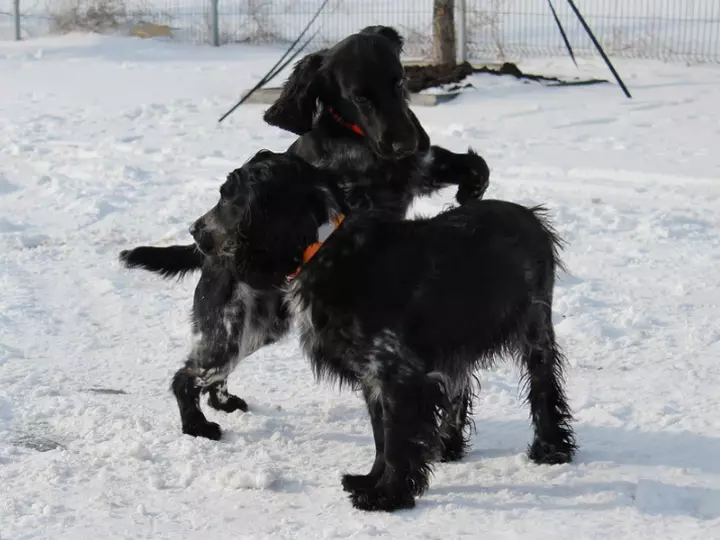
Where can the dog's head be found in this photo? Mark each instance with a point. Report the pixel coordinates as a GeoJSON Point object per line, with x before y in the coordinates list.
{"type": "Point", "coordinates": [269, 211]}
{"type": "Point", "coordinates": [362, 79]}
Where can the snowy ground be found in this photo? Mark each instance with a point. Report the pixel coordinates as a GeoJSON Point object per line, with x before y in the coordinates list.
{"type": "Point", "coordinates": [108, 143]}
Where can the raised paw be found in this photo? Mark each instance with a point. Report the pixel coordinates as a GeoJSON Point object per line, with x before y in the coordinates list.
{"type": "Point", "coordinates": [227, 403]}
{"type": "Point", "coordinates": [544, 453]}
{"type": "Point", "coordinates": [378, 499]}
{"type": "Point", "coordinates": [358, 482]}
{"type": "Point", "coordinates": [209, 430]}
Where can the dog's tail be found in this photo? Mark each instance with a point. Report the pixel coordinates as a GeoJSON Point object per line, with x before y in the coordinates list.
{"type": "Point", "coordinates": [168, 261]}
{"type": "Point", "coordinates": [556, 243]}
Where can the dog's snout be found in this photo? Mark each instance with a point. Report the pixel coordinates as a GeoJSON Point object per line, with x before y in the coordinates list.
{"type": "Point", "coordinates": [203, 239]}
{"type": "Point", "coordinates": [196, 229]}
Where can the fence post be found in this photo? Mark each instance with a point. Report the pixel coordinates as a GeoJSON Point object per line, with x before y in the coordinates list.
{"type": "Point", "coordinates": [461, 32]}
{"type": "Point", "coordinates": [16, 16]}
{"type": "Point", "coordinates": [215, 22]}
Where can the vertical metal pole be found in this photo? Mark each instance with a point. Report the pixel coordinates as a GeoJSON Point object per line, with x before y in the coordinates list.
{"type": "Point", "coordinates": [16, 15]}
{"type": "Point", "coordinates": [461, 32]}
{"type": "Point", "coordinates": [215, 22]}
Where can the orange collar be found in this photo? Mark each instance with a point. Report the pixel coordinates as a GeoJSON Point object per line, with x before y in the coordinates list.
{"type": "Point", "coordinates": [312, 249]}
{"type": "Point", "coordinates": [352, 127]}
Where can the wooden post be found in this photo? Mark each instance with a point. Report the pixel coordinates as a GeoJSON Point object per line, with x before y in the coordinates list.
{"type": "Point", "coordinates": [443, 46]}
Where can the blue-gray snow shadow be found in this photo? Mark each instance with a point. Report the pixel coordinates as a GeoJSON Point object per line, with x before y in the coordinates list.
{"type": "Point", "coordinates": [679, 449]}
{"type": "Point", "coordinates": [684, 450]}
{"type": "Point", "coordinates": [647, 496]}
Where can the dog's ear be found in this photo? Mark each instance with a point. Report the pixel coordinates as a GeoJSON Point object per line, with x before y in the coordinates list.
{"type": "Point", "coordinates": [278, 251]}
{"type": "Point", "coordinates": [295, 108]}
{"type": "Point", "coordinates": [387, 31]}
{"type": "Point", "coordinates": [423, 137]}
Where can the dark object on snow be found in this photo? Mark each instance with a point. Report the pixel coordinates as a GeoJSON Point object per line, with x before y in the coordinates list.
{"type": "Point", "coordinates": [423, 77]}
{"type": "Point", "coordinates": [420, 78]}
{"type": "Point", "coordinates": [509, 68]}
{"type": "Point", "coordinates": [404, 311]}
{"type": "Point", "coordinates": [36, 442]}
{"type": "Point", "coordinates": [109, 391]}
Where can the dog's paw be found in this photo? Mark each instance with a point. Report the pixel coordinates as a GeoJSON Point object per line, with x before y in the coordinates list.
{"type": "Point", "coordinates": [378, 499]}
{"type": "Point", "coordinates": [209, 430]}
{"type": "Point", "coordinates": [544, 453]}
{"type": "Point", "coordinates": [358, 482]}
{"type": "Point", "coordinates": [229, 404]}
{"type": "Point", "coordinates": [235, 403]}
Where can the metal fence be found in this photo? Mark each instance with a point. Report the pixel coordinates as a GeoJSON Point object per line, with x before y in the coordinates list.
{"type": "Point", "coordinates": [686, 30]}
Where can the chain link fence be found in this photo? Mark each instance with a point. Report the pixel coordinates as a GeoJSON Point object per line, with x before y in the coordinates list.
{"type": "Point", "coordinates": [685, 30]}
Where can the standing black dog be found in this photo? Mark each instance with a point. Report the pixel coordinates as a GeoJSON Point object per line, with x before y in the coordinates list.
{"type": "Point", "coordinates": [403, 310]}
{"type": "Point", "coordinates": [350, 107]}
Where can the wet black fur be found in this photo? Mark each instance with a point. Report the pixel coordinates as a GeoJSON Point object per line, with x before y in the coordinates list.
{"type": "Point", "coordinates": [404, 311]}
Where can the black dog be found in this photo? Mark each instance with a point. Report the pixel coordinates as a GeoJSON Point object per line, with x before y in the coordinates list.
{"type": "Point", "coordinates": [350, 107]}
{"type": "Point", "coordinates": [403, 310]}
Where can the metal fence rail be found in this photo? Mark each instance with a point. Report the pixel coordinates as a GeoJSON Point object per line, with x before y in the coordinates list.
{"type": "Point", "coordinates": [685, 30]}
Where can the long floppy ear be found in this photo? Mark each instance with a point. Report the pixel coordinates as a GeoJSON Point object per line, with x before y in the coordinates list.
{"type": "Point", "coordinates": [387, 31]}
{"type": "Point", "coordinates": [294, 110]}
{"type": "Point", "coordinates": [423, 137]}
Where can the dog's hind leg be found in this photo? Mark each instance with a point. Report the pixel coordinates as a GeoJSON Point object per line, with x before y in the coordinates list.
{"type": "Point", "coordinates": [364, 482]}
{"type": "Point", "coordinates": [554, 440]}
{"type": "Point", "coordinates": [455, 426]}
{"type": "Point", "coordinates": [411, 404]}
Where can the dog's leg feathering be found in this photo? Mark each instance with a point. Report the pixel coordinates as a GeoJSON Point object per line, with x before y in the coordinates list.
{"type": "Point", "coordinates": [554, 440]}
{"type": "Point", "coordinates": [455, 426]}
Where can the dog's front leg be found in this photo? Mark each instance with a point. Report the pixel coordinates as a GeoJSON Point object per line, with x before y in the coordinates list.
{"type": "Point", "coordinates": [411, 403]}
{"type": "Point", "coordinates": [364, 482]}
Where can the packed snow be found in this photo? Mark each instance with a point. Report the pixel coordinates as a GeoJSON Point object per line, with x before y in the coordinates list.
{"type": "Point", "coordinates": [107, 143]}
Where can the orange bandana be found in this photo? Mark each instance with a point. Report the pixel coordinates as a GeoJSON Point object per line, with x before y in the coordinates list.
{"type": "Point", "coordinates": [323, 235]}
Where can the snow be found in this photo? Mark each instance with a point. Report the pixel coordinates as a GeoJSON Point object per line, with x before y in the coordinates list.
{"type": "Point", "coordinates": [511, 29]}
{"type": "Point", "coordinates": [106, 143]}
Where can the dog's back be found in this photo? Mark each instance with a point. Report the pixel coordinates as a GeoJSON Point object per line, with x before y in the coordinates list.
{"type": "Point", "coordinates": [494, 254]}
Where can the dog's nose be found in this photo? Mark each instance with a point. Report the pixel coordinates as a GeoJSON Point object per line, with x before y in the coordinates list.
{"type": "Point", "coordinates": [196, 229]}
